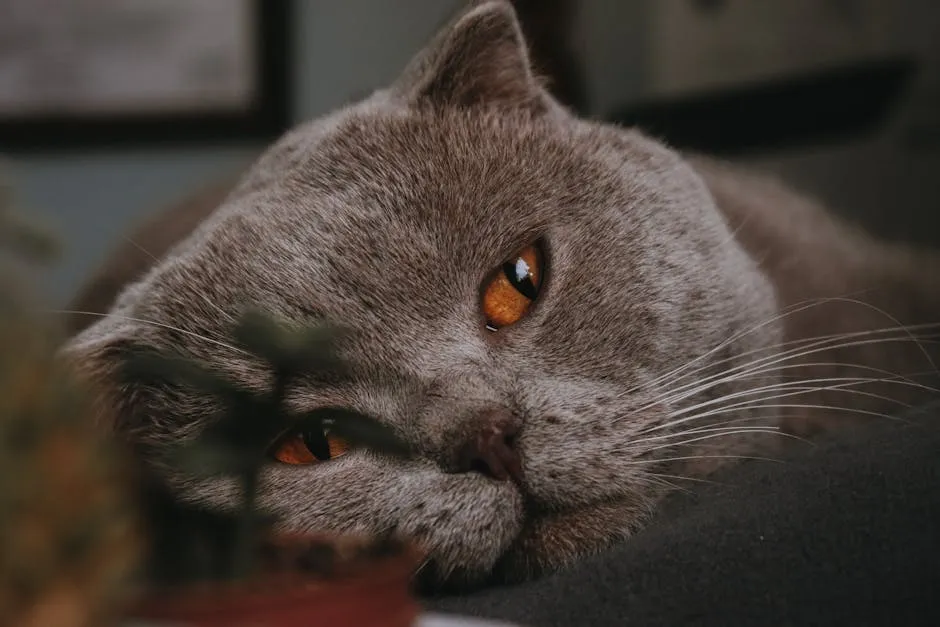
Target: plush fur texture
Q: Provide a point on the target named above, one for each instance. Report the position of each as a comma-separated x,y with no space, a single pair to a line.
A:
661,343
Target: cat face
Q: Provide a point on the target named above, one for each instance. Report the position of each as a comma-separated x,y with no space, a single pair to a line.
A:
520,287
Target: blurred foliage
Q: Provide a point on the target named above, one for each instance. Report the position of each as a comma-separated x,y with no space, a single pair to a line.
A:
69,542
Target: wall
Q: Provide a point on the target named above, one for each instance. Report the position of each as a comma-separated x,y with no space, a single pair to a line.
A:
889,181
343,50
91,200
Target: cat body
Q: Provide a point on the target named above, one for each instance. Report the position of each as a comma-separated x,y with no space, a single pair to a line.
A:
681,316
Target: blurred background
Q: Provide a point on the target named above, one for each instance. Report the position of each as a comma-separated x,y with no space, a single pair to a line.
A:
112,110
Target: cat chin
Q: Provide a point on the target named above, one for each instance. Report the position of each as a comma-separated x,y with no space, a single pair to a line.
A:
546,542
550,541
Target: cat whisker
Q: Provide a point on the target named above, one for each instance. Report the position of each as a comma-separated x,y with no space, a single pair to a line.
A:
792,388
893,319
757,327
697,430
169,327
890,375
789,384
787,311
424,564
794,381
133,243
660,480
769,363
907,330
819,406
816,345
225,315
684,458
726,433
683,478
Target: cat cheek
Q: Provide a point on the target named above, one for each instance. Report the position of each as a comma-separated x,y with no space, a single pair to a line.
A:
574,459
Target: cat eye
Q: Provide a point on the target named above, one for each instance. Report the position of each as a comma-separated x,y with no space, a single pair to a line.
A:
512,288
307,447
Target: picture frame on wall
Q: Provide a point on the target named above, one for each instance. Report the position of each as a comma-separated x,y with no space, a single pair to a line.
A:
86,73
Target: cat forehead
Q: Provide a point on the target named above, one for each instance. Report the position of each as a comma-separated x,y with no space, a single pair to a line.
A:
422,186
394,213
417,163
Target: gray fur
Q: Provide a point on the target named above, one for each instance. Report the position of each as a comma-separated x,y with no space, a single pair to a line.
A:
388,215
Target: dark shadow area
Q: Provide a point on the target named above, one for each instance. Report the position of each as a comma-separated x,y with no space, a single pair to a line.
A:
784,112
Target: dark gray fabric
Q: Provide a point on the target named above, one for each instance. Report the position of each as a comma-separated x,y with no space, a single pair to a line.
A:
844,533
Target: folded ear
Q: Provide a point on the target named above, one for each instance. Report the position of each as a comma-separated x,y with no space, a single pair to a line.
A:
95,357
479,59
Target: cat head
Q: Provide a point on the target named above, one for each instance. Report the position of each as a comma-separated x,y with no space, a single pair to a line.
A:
522,290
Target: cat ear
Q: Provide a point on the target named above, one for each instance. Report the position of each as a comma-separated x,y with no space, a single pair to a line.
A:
479,59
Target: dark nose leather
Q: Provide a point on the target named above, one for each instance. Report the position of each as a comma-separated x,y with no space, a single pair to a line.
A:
491,447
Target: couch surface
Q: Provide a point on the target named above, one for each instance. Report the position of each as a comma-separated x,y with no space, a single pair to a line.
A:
845,532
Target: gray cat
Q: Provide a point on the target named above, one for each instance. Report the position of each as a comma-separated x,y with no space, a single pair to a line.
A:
564,318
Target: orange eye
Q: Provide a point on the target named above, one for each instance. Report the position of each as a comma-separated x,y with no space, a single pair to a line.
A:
309,447
510,292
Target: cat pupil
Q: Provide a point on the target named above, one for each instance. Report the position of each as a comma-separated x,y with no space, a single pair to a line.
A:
520,277
316,443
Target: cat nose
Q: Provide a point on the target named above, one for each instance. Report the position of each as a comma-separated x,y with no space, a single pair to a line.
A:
491,448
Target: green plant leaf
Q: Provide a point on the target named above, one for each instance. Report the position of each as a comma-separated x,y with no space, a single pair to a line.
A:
290,351
27,241
250,427
212,459
152,367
